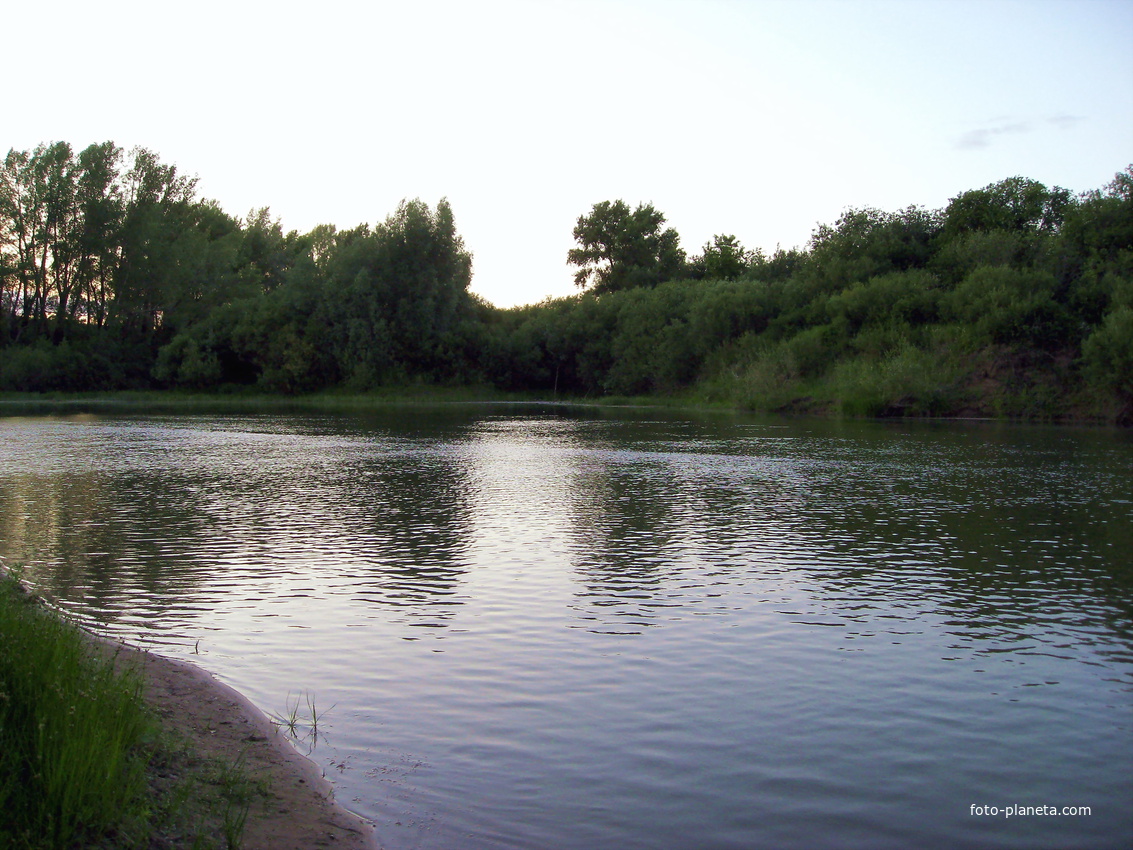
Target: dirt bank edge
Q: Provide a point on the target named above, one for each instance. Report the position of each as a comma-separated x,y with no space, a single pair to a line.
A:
298,810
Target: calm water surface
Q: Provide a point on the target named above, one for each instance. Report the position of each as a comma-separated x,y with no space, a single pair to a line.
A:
549,628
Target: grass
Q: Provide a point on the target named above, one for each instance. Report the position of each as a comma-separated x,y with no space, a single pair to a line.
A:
301,727
73,734
907,381
84,762
200,804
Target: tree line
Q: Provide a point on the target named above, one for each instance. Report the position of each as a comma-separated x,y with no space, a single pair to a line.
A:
114,274
1013,300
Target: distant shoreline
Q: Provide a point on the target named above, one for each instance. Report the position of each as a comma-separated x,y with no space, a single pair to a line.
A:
189,402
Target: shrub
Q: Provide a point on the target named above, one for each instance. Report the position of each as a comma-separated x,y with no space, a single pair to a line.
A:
908,382
1107,354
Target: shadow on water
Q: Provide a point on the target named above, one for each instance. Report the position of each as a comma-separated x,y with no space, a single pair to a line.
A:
945,522
968,522
404,516
88,539
127,521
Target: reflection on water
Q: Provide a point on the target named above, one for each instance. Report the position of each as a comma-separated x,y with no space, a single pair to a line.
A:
553,628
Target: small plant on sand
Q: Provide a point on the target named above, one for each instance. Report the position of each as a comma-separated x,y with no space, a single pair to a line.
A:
301,726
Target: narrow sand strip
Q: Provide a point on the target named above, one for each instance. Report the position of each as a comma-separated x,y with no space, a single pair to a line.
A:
299,812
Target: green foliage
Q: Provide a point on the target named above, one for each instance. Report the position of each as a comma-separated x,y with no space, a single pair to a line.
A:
758,375
72,766
1016,204
1108,354
641,340
561,345
189,362
959,256
907,381
394,298
366,306
620,248
1011,306
863,244
113,275
93,362
652,347
724,258
721,311
1100,226
911,298
28,368
866,242
105,241
780,266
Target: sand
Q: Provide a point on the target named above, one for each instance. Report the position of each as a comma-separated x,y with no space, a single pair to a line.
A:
298,812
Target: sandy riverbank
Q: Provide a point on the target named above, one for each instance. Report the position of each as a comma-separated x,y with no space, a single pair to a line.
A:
294,807
298,811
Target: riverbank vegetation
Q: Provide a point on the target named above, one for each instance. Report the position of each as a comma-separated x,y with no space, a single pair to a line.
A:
83,762
1014,300
72,735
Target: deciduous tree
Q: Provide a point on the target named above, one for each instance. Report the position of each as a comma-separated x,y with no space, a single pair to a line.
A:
620,248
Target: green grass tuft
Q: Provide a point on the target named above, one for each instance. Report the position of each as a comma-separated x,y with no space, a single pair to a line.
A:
84,763
73,735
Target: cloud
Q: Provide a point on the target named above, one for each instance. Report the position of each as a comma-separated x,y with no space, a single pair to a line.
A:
983,137
1065,122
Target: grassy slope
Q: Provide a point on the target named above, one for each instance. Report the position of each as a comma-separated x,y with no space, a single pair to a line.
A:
83,762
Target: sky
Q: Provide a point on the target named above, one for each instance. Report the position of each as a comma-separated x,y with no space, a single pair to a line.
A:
756,118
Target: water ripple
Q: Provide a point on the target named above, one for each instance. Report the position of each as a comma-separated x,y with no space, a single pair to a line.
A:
553,629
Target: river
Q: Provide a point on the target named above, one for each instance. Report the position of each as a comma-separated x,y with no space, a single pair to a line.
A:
555,627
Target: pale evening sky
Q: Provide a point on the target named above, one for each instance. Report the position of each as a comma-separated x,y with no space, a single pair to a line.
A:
758,118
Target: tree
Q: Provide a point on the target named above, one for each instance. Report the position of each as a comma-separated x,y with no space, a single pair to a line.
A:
98,193
395,293
622,248
157,209
867,242
724,258
37,208
1108,357
1013,204
1101,223
264,255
